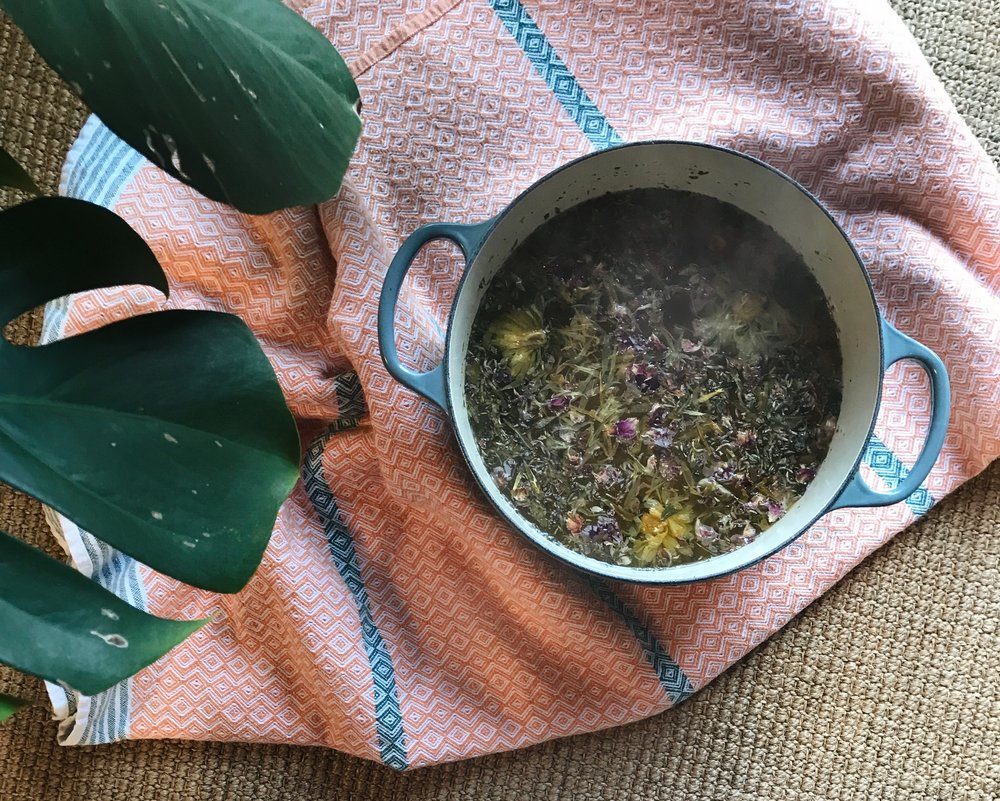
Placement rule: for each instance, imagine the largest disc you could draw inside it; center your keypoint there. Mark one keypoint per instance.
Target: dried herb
(653, 377)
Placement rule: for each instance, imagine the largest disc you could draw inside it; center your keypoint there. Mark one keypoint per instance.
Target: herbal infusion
(653, 377)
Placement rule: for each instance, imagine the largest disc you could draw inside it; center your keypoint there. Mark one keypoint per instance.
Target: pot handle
(432, 384)
(899, 346)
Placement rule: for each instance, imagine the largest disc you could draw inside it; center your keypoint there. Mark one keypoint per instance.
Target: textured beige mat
(887, 688)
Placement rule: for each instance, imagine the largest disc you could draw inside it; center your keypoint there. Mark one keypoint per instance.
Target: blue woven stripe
(108, 720)
(103, 169)
(672, 678)
(350, 396)
(388, 717)
(892, 471)
(99, 144)
(553, 69)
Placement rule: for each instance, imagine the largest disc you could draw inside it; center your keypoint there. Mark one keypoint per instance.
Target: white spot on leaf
(156, 515)
(109, 614)
(175, 157)
(181, 70)
(169, 438)
(115, 640)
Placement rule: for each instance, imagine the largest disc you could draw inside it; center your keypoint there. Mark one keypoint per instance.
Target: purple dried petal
(659, 436)
(627, 428)
(657, 414)
(606, 529)
(705, 533)
(644, 377)
(609, 474)
(690, 347)
(724, 472)
(805, 474)
(628, 341)
(558, 402)
(745, 438)
(656, 343)
(775, 511)
(668, 468)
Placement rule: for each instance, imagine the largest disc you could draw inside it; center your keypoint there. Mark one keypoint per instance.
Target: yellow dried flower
(748, 307)
(663, 534)
(519, 334)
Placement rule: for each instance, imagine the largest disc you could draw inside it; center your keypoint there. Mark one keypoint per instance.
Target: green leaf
(61, 626)
(14, 175)
(9, 705)
(166, 434)
(241, 99)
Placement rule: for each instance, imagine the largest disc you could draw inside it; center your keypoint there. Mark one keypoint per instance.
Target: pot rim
(626, 573)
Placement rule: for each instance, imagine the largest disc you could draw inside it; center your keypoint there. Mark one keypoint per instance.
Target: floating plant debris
(653, 377)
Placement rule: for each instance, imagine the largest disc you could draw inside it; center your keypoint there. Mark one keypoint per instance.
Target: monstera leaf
(166, 434)
(14, 175)
(241, 99)
(61, 626)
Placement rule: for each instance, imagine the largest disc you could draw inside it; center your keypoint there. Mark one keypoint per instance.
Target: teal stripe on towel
(553, 69)
(388, 716)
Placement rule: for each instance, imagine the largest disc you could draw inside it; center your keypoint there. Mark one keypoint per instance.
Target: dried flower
(668, 468)
(656, 343)
(659, 437)
(503, 473)
(558, 402)
(628, 341)
(748, 307)
(705, 533)
(658, 414)
(606, 529)
(644, 377)
(626, 428)
(609, 474)
(519, 334)
(661, 533)
(745, 438)
(690, 347)
(775, 511)
(805, 474)
(724, 472)
(574, 523)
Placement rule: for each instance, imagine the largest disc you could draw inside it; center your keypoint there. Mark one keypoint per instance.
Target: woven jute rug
(887, 688)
